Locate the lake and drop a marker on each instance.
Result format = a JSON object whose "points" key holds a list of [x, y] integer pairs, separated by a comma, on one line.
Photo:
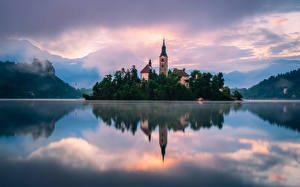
{"points": [[149, 143]]}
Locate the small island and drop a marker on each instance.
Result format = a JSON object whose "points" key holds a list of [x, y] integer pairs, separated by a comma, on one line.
{"points": [[169, 84]]}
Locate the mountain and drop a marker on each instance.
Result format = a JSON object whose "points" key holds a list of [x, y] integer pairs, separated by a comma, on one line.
{"points": [[282, 86], [69, 70], [36, 80], [238, 79]]}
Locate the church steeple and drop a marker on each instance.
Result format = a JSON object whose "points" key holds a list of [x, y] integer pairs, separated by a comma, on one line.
{"points": [[163, 49], [163, 60]]}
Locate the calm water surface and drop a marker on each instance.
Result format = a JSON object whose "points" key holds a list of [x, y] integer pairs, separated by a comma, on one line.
{"points": [[118, 143]]}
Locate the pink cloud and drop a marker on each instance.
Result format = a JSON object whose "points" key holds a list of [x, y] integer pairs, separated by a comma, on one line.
{"points": [[280, 21], [277, 178]]}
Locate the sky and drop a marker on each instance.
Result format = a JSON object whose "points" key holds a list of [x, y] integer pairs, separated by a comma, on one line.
{"points": [[213, 35]]}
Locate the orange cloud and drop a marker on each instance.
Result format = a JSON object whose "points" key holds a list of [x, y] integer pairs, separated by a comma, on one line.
{"points": [[277, 178], [149, 162], [280, 21]]}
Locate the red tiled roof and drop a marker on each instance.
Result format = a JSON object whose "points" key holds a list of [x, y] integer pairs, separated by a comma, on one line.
{"points": [[181, 73], [146, 69]]}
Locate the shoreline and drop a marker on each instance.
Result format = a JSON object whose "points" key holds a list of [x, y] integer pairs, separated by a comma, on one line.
{"points": [[204, 101]]}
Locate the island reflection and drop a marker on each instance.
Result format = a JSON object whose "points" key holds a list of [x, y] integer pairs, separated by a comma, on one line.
{"points": [[167, 116]]}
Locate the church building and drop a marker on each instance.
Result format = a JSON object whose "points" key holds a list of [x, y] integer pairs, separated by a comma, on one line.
{"points": [[163, 60], [163, 67]]}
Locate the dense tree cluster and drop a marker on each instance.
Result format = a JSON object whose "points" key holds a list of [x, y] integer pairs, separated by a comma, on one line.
{"points": [[126, 85], [282, 86]]}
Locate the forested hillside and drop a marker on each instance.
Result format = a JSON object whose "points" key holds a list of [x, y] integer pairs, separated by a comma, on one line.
{"points": [[282, 86], [36, 80]]}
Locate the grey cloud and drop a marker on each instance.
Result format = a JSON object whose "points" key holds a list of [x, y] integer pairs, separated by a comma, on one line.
{"points": [[51, 173], [268, 37], [291, 46], [47, 18], [214, 54]]}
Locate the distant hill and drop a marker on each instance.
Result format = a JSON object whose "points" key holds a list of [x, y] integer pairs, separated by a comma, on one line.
{"points": [[36, 80], [237, 79], [282, 86]]}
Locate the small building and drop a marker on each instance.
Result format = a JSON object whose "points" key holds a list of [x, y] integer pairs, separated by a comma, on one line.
{"points": [[184, 77], [145, 71]]}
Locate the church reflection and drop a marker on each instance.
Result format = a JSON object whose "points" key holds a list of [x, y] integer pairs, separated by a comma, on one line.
{"points": [[163, 140], [164, 116], [163, 136], [163, 132]]}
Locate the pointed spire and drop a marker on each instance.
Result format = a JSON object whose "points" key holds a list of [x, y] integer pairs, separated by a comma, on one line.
{"points": [[150, 62], [163, 49], [163, 152]]}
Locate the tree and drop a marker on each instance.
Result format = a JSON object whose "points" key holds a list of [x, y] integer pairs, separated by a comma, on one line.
{"points": [[125, 84], [237, 95], [226, 91]]}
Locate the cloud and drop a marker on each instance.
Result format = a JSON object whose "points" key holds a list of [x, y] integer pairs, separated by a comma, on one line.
{"points": [[293, 46], [36, 18], [280, 21], [212, 35], [39, 18], [277, 178], [75, 152], [113, 58]]}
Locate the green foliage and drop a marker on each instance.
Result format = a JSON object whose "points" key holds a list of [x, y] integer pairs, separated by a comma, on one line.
{"points": [[34, 80], [237, 95], [226, 91], [208, 86], [126, 85], [282, 86]]}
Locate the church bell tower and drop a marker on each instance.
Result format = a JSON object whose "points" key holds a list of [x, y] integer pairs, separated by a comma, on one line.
{"points": [[163, 60]]}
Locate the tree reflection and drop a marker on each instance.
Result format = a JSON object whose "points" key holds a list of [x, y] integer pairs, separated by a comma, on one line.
{"points": [[176, 116], [32, 117], [127, 116], [283, 114]]}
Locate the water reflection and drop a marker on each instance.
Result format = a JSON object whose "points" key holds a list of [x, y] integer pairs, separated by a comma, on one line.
{"points": [[176, 116], [32, 117], [284, 114], [168, 116], [150, 144]]}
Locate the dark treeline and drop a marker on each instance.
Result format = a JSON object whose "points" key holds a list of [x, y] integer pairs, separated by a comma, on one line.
{"points": [[126, 85]]}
